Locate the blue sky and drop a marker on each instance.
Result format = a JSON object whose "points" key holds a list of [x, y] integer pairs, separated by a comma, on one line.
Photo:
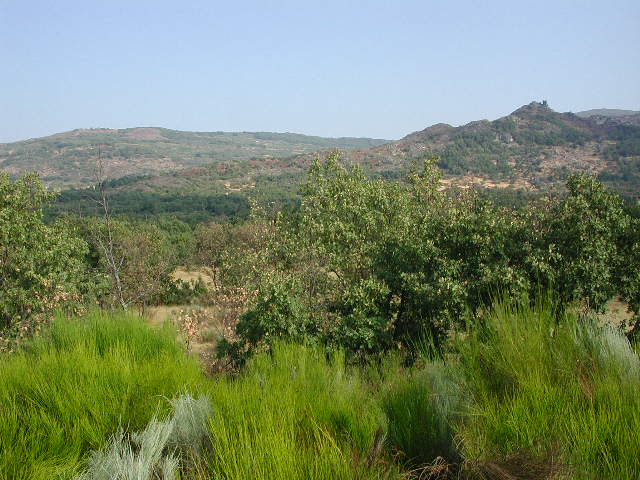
{"points": [[375, 69]]}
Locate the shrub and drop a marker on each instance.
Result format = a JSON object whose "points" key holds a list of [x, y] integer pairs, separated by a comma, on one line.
{"points": [[155, 452], [136, 257], [378, 263], [41, 267], [277, 314], [180, 292]]}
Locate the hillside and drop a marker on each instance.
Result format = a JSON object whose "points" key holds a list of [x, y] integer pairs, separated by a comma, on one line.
{"points": [[533, 148], [530, 151], [69, 159], [606, 112]]}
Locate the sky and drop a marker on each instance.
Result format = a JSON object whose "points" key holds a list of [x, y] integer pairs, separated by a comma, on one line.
{"points": [[378, 69]]}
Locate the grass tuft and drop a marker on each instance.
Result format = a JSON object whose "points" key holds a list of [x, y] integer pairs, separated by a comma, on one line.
{"points": [[79, 384], [295, 415], [155, 452], [554, 391]]}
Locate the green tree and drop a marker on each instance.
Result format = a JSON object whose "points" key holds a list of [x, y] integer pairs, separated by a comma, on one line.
{"points": [[380, 264], [136, 257], [629, 271], [579, 252], [41, 267]]}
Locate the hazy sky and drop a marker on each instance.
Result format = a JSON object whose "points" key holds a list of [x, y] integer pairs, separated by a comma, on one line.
{"points": [[375, 69]]}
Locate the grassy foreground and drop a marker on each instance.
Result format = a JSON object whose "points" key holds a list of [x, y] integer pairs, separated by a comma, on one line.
{"points": [[74, 387], [525, 395], [552, 395]]}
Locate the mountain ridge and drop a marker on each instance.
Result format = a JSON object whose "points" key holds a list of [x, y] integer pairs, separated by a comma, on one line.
{"points": [[69, 158], [532, 149], [607, 112]]}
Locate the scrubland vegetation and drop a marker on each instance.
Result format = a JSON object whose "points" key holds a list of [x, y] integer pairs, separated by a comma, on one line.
{"points": [[380, 329], [527, 395]]}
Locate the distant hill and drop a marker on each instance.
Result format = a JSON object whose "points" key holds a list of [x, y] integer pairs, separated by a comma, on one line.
{"points": [[606, 112], [621, 117], [534, 149], [531, 150], [69, 159], [527, 152]]}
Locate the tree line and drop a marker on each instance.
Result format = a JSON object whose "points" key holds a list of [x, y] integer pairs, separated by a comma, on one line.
{"points": [[366, 265]]}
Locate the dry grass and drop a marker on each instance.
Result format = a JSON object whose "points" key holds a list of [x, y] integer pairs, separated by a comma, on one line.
{"points": [[200, 327], [193, 276], [523, 467], [616, 313]]}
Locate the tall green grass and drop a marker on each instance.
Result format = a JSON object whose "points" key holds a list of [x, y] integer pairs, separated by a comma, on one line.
{"points": [[158, 451], [524, 393], [80, 383], [295, 415], [422, 406], [554, 390]]}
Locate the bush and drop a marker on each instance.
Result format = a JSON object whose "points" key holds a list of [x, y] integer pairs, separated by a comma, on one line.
{"points": [[376, 264], [157, 451], [137, 258], [41, 267], [277, 314], [180, 292]]}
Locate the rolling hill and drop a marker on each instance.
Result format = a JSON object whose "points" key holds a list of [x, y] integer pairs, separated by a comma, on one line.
{"points": [[606, 112], [156, 171], [69, 159], [533, 149]]}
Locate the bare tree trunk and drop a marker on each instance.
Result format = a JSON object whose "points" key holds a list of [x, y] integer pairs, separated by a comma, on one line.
{"points": [[114, 265]]}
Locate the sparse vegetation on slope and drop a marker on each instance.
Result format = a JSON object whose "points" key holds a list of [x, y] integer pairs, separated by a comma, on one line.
{"points": [[532, 150], [69, 158]]}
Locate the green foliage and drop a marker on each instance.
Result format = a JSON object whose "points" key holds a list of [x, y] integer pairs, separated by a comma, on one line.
{"points": [[136, 259], [377, 264], [628, 144], [628, 273], [77, 384], [277, 313], [583, 241], [236, 255], [190, 208], [40, 266], [179, 236], [363, 329], [179, 292]]}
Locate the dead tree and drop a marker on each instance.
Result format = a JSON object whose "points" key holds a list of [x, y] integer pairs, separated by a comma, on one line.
{"points": [[106, 243]]}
